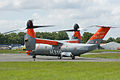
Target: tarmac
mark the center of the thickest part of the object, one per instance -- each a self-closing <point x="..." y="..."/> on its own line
<point x="24" y="57"/>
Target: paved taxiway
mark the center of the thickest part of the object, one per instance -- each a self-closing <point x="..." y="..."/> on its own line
<point x="24" y="57"/>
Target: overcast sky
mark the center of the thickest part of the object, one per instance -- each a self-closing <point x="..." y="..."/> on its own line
<point x="62" y="13"/>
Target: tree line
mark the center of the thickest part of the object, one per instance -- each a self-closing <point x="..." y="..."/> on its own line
<point x="18" y="38"/>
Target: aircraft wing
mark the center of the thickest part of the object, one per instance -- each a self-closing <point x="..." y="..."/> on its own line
<point x="50" y="42"/>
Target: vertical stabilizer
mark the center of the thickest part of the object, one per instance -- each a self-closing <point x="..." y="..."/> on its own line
<point x="98" y="36"/>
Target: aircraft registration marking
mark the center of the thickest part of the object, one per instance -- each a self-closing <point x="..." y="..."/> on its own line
<point x="55" y="52"/>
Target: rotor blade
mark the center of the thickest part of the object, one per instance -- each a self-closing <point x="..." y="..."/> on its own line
<point x="101" y="26"/>
<point x="14" y="31"/>
<point x="40" y="26"/>
<point x="93" y="26"/>
<point x="71" y="30"/>
<point x="105" y="26"/>
<point x="84" y="29"/>
<point x="10" y="31"/>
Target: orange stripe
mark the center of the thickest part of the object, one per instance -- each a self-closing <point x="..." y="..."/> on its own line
<point x="73" y="41"/>
<point x="100" y="34"/>
<point x="31" y="33"/>
<point x="46" y="42"/>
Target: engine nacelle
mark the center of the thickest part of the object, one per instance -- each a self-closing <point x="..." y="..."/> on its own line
<point x="29" y="42"/>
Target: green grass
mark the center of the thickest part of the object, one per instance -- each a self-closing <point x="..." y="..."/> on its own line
<point x="10" y="51"/>
<point x="105" y="55"/>
<point x="59" y="70"/>
<point x="103" y="50"/>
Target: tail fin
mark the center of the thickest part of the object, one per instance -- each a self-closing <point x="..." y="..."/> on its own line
<point x="77" y="36"/>
<point x="98" y="36"/>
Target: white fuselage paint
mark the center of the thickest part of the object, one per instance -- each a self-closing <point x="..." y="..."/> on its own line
<point x="73" y="48"/>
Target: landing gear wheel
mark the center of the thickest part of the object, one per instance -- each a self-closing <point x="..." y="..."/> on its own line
<point x="60" y="57"/>
<point x="73" y="57"/>
<point x="34" y="57"/>
<point x="79" y="55"/>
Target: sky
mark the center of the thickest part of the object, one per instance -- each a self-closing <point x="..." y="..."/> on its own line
<point x="61" y="13"/>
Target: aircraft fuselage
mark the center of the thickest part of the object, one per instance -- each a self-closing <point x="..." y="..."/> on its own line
<point x="74" y="49"/>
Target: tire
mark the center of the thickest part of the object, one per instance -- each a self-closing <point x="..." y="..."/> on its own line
<point x="34" y="56"/>
<point x="60" y="57"/>
<point x="73" y="57"/>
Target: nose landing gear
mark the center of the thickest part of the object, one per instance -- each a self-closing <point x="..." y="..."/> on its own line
<point x="72" y="56"/>
<point x="60" y="57"/>
<point x="34" y="57"/>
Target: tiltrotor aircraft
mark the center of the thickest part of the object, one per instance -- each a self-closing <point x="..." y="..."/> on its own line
<point x="70" y="48"/>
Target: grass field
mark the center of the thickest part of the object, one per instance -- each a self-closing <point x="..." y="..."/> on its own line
<point x="10" y="51"/>
<point x="103" y="50"/>
<point x="105" y="55"/>
<point x="59" y="70"/>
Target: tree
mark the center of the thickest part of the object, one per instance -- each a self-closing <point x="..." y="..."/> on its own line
<point x="2" y="38"/>
<point x="52" y="36"/>
<point x="110" y="40"/>
<point x="6" y="40"/>
<point x="38" y="34"/>
<point x="21" y="38"/>
<point x="13" y="38"/>
<point x="104" y="41"/>
<point x="86" y="36"/>
<point x="118" y="39"/>
<point x="62" y="36"/>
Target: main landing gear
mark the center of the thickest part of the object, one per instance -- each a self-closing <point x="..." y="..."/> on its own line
<point x="72" y="56"/>
<point x="34" y="57"/>
<point x="60" y="57"/>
